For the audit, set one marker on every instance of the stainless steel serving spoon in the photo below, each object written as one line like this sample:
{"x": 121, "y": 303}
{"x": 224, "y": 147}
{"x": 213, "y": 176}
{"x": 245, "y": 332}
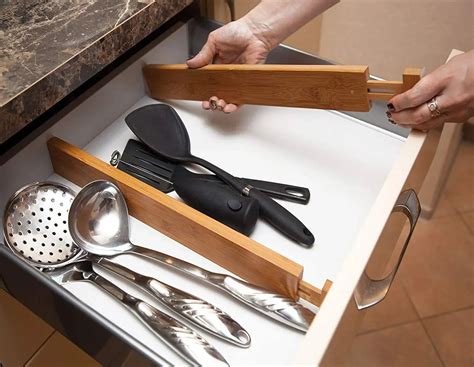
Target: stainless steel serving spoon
{"x": 98, "y": 222}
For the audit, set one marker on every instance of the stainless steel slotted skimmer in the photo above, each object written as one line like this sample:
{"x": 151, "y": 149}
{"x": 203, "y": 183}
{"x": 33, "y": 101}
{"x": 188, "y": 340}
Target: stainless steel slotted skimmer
{"x": 36, "y": 225}
{"x": 36, "y": 229}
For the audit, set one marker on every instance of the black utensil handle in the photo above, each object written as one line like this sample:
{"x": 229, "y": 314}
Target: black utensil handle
{"x": 159, "y": 172}
{"x": 277, "y": 190}
{"x": 149, "y": 178}
{"x": 296, "y": 194}
{"x": 282, "y": 219}
{"x": 274, "y": 213}
{"x": 218, "y": 201}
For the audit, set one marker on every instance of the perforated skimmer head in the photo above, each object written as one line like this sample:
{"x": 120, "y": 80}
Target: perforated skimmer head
{"x": 35, "y": 225}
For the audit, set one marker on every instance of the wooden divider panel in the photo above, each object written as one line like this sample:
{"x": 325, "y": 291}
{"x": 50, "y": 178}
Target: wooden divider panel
{"x": 338, "y": 87}
{"x": 224, "y": 246}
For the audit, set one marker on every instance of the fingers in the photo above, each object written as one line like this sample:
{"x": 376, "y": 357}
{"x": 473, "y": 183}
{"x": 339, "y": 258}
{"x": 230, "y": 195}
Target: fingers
{"x": 204, "y": 57}
{"x": 220, "y": 105}
{"x": 229, "y": 108}
{"x": 424, "y": 90}
{"x": 211, "y": 104}
{"x": 414, "y": 116}
{"x": 216, "y": 104}
{"x": 436, "y": 121}
{"x": 206, "y": 105}
{"x": 429, "y": 124}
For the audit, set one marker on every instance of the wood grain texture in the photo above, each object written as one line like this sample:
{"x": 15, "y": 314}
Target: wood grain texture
{"x": 237, "y": 253}
{"x": 384, "y": 89}
{"x": 411, "y": 76}
{"x": 393, "y": 86}
{"x": 313, "y": 294}
{"x": 310, "y": 86}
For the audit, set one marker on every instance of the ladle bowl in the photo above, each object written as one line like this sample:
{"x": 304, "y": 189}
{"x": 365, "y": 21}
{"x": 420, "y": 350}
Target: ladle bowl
{"x": 98, "y": 220}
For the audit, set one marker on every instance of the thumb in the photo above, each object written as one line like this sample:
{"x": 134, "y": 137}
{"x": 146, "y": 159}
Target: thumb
{"x": 204, "y": 57}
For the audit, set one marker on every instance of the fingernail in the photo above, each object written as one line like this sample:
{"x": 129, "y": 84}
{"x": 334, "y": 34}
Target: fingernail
{"x": 190, "y": 57}
{"x": 389, "y": 115}
{"x": 392, "y": 122}
{"x": 391, "y": 107}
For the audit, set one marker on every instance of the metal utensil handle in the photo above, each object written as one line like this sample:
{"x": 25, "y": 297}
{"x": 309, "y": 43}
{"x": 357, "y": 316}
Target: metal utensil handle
{"x": 370, "y": 291}
{"x": 277, "y": 190}
{"x": 187, "y": 343}
{"x": 196, "y": 310}
{"x": 174, "y": 262}
{"x": 184, "y": 341}
{"x": 274, "y": 305}
{"x": 262, "y": 300}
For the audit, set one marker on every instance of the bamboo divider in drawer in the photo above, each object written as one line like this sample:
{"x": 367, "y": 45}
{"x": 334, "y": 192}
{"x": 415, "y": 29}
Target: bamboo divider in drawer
{"x": 224, "y": 246}
{"x": 334, "y": 87}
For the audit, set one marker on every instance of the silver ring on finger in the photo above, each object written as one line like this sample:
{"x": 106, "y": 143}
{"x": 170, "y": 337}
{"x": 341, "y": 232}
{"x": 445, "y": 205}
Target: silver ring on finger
{"x": 213, "y": 104}
{"x": 433, "y": 107}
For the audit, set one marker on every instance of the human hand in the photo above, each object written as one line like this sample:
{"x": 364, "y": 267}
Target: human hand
{"x": 238, "y": 42}
{"x": 451, "y": 86}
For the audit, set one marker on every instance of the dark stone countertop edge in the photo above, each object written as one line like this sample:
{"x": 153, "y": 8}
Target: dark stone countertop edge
{"x": 22, "y": 109}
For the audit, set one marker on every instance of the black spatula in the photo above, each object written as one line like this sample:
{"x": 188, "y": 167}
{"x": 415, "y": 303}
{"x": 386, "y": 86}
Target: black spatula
{"x": 161, "y": 129}
{"x": 140, "y": 162}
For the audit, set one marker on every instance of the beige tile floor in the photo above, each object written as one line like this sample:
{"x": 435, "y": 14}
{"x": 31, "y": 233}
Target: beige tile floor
{"x": 426, "y": 320}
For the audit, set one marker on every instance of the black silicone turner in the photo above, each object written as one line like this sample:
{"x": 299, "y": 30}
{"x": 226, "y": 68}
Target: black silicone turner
{"x": 161, "y": 129}
{"x": 140, "y": 162}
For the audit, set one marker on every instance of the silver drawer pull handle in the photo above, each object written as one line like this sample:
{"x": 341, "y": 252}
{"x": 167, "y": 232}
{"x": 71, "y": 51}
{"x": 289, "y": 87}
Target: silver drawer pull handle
{"x": 370, "y": 291}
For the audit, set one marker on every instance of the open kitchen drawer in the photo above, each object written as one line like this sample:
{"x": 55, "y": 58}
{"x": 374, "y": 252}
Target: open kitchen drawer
{"x": 356, "y": 167}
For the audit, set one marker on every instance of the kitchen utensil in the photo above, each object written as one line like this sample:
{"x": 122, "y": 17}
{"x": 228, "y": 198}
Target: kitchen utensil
{"x": 99, "y": 224}
{"x": 139, "y": 161}
{"x": 188, "y": 344}
{"x": 333, "y": 87}
{"x": 213, "y": 198}
{"x": 36, "y": 229}
{"x": 219, "y": 201}
{"x": 35, "y": 225}
{"x": 199, "y": 312}
{"x": 161, "y": 129}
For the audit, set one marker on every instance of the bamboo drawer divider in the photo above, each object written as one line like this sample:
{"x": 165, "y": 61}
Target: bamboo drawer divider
{"x": 334, "y": 87}
{"x": 230, "y": 249}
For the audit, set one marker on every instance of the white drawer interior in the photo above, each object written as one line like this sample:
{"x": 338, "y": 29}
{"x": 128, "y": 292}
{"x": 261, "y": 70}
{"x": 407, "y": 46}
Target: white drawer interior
{"x": 343, "y": 161}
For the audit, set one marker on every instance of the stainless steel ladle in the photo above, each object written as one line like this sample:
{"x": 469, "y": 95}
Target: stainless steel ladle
{"x": 98, "y": 222}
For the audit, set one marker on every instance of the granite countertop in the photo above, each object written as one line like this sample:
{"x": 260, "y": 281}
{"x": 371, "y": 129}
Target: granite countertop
{"x": 50, "y": 47}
